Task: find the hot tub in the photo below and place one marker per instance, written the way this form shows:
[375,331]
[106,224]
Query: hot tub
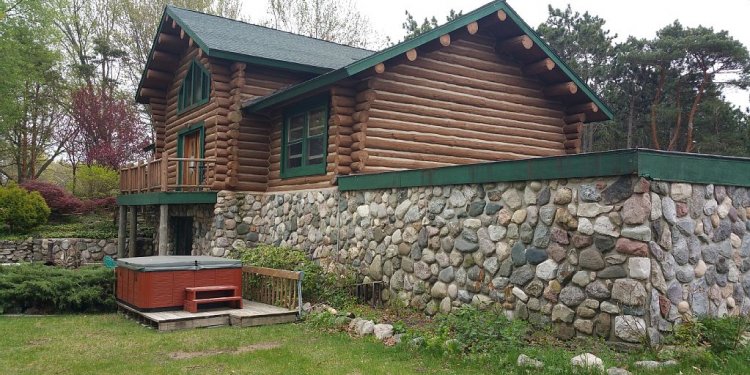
[159,282]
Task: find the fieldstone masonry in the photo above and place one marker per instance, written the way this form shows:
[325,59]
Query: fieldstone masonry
[70,252]
[624,258]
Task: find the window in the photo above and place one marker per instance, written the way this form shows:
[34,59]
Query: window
[190,145]
[305,139]
[195,88]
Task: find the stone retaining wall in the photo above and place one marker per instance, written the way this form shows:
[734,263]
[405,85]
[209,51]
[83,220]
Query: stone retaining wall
[66,251]
[617,257]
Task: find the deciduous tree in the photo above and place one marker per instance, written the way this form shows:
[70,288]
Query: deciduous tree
[110,130]
[336,21]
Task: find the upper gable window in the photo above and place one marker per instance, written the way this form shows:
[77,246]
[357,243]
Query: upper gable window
[195,88]
[305,139]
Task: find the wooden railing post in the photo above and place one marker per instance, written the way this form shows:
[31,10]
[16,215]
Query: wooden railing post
[164,162]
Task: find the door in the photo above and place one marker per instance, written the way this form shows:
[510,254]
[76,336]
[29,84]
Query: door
[182,227]
[192,170]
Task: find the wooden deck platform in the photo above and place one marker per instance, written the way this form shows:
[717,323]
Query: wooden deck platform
[251,314]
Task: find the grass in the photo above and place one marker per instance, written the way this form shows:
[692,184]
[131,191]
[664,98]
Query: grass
[112,344]
[96,226]
[109,343]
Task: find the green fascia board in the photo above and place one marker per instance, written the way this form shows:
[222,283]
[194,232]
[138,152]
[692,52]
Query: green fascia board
[156,198]
[610,163]
[651,164]
[560,63]
[388,53]
[694,168]
[220,54]
[150,56]
[374,59]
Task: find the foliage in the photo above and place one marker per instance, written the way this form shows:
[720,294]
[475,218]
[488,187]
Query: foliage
[137,21]
[96,181]
[58,199]
[90,225]
[21,210]
[317,285]
[664,91]
[687,334]
[477,332]
[110,131]
[54,289]
[723,334]
[32,90]
[414,29]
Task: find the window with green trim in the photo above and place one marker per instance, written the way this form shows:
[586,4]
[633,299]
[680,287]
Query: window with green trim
[305,139]
[195,89]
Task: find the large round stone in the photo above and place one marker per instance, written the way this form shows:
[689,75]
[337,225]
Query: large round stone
[572,296]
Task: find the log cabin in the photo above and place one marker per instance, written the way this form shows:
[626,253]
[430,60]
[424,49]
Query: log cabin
[238,107]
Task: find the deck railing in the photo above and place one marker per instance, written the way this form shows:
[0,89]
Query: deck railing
[273,287]
[152,175]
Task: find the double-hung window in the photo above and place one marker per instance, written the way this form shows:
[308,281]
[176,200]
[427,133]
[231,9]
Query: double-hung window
[195,89]
[305,139]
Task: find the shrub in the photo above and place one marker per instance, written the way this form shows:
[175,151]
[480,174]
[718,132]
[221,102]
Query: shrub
[96,181]
[21,210]
[34,287]
[317,285]
[477,332]
[58,199]
[725,333]
[99,205]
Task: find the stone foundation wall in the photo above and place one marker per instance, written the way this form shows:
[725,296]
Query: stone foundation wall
[303,220]
[66,251]
[617,257]
[203,232]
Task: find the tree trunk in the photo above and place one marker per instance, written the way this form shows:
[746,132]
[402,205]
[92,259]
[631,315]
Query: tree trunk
[630,121]
[678,123]
[654,105]
[693,110]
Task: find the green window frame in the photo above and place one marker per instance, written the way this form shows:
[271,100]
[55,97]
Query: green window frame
[192,129]
[305,139]
[195,89]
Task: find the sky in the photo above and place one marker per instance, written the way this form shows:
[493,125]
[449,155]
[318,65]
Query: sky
[640,18]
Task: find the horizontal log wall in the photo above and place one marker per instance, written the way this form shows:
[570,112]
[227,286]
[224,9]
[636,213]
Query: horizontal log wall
[456,105]
[251,145]
[276,183]
[213,114]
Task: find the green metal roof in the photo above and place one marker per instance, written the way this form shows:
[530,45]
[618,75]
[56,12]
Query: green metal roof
[388,53]
[228,38]
[651,164]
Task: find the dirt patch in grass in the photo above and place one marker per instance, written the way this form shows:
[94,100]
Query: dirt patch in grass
[240,350]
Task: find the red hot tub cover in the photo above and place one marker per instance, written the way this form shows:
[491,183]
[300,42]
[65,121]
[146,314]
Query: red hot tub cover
[177,263]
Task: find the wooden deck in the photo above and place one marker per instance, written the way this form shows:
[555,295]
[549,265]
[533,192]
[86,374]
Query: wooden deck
[251,314]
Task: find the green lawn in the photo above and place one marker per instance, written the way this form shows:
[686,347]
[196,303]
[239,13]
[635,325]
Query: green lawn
[112,344]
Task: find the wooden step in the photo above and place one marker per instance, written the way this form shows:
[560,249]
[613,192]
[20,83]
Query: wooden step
[216,299]
[191,305]
[211,288]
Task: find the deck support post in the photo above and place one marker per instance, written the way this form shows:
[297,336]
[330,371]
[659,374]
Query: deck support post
[121,226]
[132,227]
[163,232]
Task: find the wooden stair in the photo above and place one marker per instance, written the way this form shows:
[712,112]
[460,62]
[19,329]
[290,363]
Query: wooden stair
[203,295]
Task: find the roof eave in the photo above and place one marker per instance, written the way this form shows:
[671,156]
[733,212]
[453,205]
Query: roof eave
[379,57]
[558,61]
[218,53]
